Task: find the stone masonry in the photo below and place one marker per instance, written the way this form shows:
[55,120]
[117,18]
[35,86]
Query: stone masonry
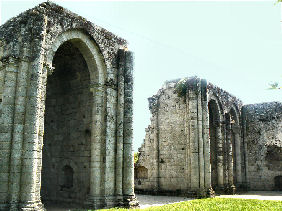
[65,112]
[262,126]
[202,139]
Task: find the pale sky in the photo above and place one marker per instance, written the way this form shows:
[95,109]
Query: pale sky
[236,45]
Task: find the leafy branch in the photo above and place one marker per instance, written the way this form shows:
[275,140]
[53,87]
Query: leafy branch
[274,85]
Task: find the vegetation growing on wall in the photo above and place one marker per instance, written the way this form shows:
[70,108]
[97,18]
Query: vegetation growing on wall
[136,157]
[274,85]
[181,87]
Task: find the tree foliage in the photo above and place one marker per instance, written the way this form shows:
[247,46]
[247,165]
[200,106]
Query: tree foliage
[136,157]
[274,85]
[181,87]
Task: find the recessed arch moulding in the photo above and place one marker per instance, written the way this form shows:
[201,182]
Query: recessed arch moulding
[28,46]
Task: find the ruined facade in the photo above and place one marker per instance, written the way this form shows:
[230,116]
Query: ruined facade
[65,112]
[201,139]
[262,129]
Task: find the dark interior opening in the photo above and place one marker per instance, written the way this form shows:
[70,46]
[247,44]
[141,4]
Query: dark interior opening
[233,122]
[68,117]
[278,183]
[213,124]
[141,172]
[68,177]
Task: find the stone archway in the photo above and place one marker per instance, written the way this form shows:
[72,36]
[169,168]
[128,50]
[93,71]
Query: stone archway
[216,145]
[236,146]
[109,127]
[68,121]
[74,126]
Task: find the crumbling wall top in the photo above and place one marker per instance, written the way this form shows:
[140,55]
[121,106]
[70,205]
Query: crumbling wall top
[45,22]
[226,99]
[263,112]
[153,101]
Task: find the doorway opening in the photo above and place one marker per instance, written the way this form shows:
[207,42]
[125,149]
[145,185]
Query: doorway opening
[213,127]
[68,118]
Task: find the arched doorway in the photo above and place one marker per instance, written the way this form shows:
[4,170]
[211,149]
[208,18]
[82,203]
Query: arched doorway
[236,147]
[216,154]
[68,121]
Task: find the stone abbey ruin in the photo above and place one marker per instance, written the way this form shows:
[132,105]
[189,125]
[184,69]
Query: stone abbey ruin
[202,139]
[66,123]
[65,112]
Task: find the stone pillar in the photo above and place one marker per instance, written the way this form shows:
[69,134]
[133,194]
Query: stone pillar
[188,150]
[229,153]
[110,147]
[206,140]
[156,152]
[219,141]
[200,137]
[225,153]
[193,132]
[16,152]
[128,169]
[97,139]
[6,128]
[30,155]
[237,141]
[244,133]
[120,116]
[41,133]
[2,77]
[154,135]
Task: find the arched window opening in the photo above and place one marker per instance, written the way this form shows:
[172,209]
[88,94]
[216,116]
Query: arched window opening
[236,147]
[278,183]
[214,122]
[141,172]
[67,177]
[67,126]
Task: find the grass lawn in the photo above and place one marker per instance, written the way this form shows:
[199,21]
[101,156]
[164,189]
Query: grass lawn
[217,204]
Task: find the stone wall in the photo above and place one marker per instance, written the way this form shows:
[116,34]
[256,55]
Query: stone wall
[194,142]
[164,151]
[172,141]
[263,137]
[176,149]
[201,138]
[90,105]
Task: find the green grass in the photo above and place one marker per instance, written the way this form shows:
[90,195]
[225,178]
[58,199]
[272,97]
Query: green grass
[216,204]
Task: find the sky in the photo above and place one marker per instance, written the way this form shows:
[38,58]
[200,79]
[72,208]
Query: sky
[236,45]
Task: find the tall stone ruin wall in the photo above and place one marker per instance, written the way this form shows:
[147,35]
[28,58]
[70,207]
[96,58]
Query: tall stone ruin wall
[30,46]
[167,125]
[201,139]
[262,125]
[167,152]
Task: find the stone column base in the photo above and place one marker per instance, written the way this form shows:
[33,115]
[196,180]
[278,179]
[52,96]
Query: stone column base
[205,193]
[111,201]
[130,202]
[95,202]
[230,189]
[28,206]
[119,201]
[220,190]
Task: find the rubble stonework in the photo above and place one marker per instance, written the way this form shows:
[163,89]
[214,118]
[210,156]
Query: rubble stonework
[196,142]
[65,87]
[262,126]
